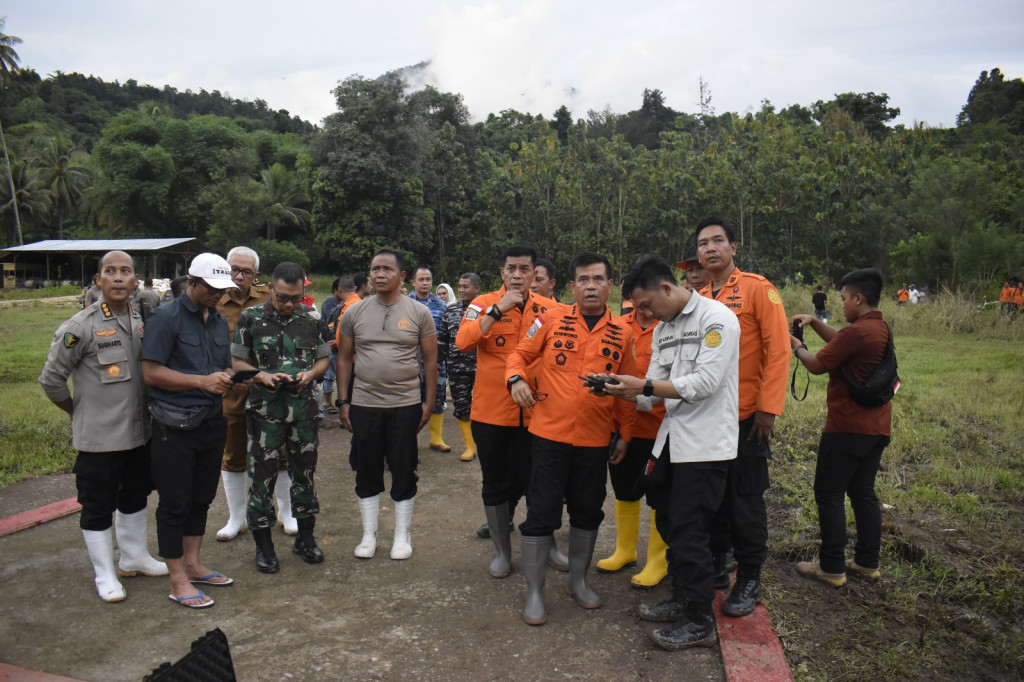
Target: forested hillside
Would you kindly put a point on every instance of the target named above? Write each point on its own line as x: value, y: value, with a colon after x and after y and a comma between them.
x: 813, y: 190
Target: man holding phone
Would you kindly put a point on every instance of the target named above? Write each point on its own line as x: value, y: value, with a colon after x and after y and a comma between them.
x: 282, y: 340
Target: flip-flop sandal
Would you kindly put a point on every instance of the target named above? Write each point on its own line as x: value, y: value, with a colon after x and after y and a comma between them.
x: 182, y: 600
x: 205, y: 580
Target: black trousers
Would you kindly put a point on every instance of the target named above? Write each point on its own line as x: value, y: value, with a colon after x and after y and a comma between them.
x: 686, y: 505
x: 847, y: 466
x: 564, y: 473
x: 186, y: 469
x: 742, y: 519
x: 505, y: 462
x: 625, y: 475
x: 111, y: 481
x: 385, y: 434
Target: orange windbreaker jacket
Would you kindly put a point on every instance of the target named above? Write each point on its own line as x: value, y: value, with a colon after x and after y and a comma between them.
x: 566, y: 349
x: 764, y: 341
x: 492, y: 403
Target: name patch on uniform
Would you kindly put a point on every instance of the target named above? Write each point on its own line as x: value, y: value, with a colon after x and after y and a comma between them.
x: 70, y: 340
x: 106, y: 332
x: 108, y: 344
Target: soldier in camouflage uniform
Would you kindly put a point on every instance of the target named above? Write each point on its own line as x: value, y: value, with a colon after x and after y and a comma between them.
x: 461, y: 366
x: 282, y: 340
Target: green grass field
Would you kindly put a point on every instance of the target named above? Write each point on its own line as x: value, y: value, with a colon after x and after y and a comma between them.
x: 952, y: 485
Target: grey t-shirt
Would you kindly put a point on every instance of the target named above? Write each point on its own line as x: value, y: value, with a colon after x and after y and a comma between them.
x: 387, y: 341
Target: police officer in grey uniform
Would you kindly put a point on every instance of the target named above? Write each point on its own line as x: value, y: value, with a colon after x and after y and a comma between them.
x: 99, y: 349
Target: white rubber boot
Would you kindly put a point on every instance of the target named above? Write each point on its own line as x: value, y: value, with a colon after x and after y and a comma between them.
x: 131, y: 540
x: 236, y: 492
x: 283, y: 492
x: 401, y: 548
x: 369, y: 509
x: 100, y: 544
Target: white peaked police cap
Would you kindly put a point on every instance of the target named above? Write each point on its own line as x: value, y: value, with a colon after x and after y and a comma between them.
x: 213, y: 270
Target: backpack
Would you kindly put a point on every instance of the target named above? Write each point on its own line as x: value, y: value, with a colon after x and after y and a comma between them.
x: 883, y: 383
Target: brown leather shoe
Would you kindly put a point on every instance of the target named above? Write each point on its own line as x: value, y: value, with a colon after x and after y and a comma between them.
x: 861, y: 572
x: 812, y: 569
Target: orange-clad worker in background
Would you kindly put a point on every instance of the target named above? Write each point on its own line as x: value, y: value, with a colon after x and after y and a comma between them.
x: 493, y: 326
x: 572, y: 427
x: 625, y: 474
x: 742, y: 520
x: 903, y: 295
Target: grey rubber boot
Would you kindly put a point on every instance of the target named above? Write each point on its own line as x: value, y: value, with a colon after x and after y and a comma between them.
x: 535, y: 566
x: 556, y: 559
x: 581, y: 551
x: 501, y: 559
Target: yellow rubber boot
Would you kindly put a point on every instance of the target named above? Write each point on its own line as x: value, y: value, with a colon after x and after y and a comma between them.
x: 467, y: 437
x: 627, y: 530
x: 657, y: 562
x: 436, y: 442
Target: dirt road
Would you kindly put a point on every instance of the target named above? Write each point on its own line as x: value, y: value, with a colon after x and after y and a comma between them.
x: 437, y: 616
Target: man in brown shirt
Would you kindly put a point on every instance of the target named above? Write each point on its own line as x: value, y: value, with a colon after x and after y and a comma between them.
x: 854, y: 436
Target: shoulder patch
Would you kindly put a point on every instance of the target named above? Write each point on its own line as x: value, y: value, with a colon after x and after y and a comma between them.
x: 70, y: 340
x: 773, y: 296
x: 532, y: 331
x: 713, y: 339
x: 472, y: 312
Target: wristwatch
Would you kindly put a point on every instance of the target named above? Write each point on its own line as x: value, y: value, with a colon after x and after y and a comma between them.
x: 648, y: 388
x: 514, y: 380
x: 493, y: 311
x: 338, y: 402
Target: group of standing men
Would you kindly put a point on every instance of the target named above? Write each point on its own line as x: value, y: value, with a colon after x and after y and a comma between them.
x: 677, y: 400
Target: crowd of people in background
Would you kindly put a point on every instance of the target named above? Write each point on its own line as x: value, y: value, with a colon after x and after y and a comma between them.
x: 675, y: 399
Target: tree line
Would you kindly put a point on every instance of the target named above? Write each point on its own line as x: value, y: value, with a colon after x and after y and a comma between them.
x: 813, y: 191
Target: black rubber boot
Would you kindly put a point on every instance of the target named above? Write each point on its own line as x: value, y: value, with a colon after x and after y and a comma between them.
x: 266, y: 558
x: 695, y: 628
x: 581, y: 551
x: 305, y: 544
x: 501, y: 558
x: 535, y: 566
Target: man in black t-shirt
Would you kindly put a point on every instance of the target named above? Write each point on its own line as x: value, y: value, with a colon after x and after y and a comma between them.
x: 818, y: 298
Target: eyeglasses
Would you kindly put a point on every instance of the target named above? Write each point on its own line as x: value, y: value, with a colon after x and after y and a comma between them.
x: 540, y: 396
x: 244, y: 272
x: 289, y: 299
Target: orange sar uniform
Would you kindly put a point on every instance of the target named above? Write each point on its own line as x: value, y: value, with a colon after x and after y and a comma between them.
x: 236, y: 447
x: 763, y: 369
x: 624, y: 475
x: 354, y: 298
x: 1018, y: 297
x: 572, y: 427
x: 497, y: 423
x: 903, y: 295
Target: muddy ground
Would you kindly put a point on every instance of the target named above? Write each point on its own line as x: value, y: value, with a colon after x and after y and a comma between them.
x: 437, y: 616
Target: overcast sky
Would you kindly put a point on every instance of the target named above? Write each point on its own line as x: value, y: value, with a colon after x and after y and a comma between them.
x: 535, y: 56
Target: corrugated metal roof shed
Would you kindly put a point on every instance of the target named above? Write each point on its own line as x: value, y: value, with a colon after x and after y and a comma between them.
x: 75, y: 245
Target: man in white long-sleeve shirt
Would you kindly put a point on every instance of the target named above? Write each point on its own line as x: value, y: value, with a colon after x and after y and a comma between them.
x: 695, y: 370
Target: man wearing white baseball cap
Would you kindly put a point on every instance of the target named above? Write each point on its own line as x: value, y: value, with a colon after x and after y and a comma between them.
x: 186, y: 364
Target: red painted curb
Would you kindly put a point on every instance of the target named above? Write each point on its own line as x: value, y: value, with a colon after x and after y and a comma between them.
x: 751, y: 649
x: 9, y: 673
x: 34, y: 517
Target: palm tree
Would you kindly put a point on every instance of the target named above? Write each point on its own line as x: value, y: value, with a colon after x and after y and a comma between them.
x: 9, y: 62
x: 56, y: 171
x: 284, y: 190
x: 29, y: 195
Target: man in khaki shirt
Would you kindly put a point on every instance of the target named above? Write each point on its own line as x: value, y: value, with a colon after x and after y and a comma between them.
x: 99, y: 350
